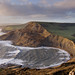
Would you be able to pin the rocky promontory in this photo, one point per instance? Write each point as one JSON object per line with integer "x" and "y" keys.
{"x": 35, "y": 35}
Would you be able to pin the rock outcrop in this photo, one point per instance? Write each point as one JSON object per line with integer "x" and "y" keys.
{"x": 31, "y": 35}
{"x": 63, "y": 69}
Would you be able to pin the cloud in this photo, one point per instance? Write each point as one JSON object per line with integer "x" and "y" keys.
{"x": 66, "y": 7}
{"x": 20, "y": 10}
{"x": 44, "y": 3}
{"x": 69, "y": 4}
{"x": 28, "y": 10}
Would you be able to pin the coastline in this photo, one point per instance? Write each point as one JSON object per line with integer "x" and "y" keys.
{"x": 64, "y": 55}
{"x": 63, "y": 68}
{"x": 61, "y": 51}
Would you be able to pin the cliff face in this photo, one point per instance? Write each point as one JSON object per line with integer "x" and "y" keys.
{"x": 62, "y": 43}
{"x": 35, "y": 35}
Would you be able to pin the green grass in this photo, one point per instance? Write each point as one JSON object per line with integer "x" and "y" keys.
{"x": 63, "y": 29}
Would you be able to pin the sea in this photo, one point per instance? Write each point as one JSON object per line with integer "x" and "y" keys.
{"x": 32, "y": 57}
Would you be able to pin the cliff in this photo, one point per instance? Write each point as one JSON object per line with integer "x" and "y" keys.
{"x": 35, "y": 35}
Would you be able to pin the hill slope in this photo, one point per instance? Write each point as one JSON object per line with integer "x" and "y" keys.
{"x": 31, "y": 35}
{"x": 66, "y": 30}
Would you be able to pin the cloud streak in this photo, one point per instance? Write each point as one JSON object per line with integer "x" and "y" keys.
{"x": 58, "y": 10}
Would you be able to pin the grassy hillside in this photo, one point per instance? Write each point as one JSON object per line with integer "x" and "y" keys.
{"x": 63, "y": 29}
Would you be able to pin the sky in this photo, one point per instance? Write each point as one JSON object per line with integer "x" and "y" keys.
{"x": 22, "y": 11}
